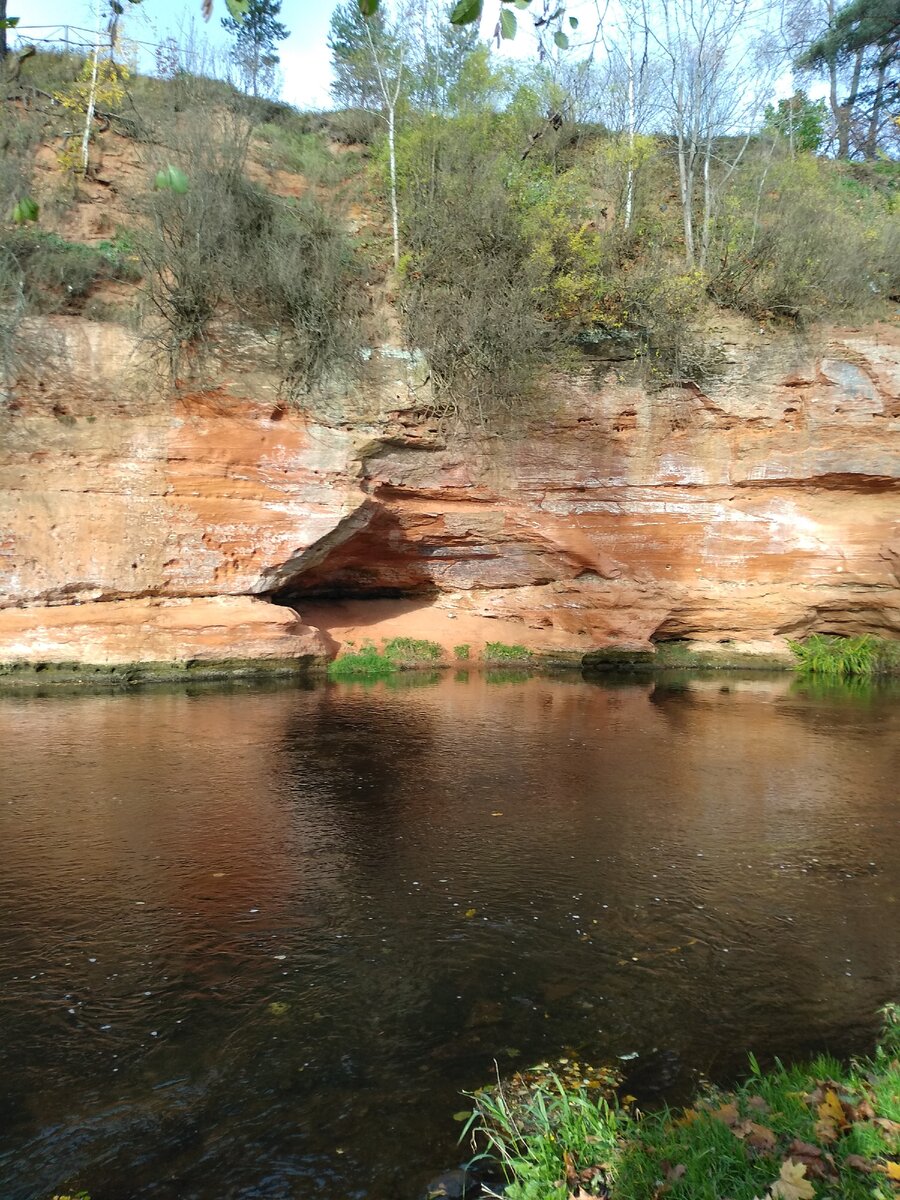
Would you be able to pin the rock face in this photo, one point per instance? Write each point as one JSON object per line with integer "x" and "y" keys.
{"x": 764, "y": 506}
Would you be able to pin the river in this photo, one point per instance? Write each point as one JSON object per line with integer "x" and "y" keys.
{"x": 255, "y": 940}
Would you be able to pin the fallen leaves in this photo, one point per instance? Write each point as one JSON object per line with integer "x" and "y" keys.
{"x": 759, "y": 1137}
{"x": 831, "y": 1111}
{"x": 792, "y": 1183}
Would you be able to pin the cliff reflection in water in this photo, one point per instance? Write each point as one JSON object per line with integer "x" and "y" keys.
{"x": 255, "y": 941}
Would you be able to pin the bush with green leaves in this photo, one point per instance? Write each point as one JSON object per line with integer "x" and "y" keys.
{"x": 54, "y": 275}
{"x": 502, "y": 652}
{"x": 397, "y": 654}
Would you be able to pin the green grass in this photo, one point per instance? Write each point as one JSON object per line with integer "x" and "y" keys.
{"x": 287, "y": 146}
{"x": 845, "y": 658}
{"x": 56, "y": 275}
{"x": 501, "y": 652}
{"x": 398, "y": 654}
{"x": 552, "y": 1139}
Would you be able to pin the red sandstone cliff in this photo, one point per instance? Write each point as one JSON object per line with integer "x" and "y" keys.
{"x": 138, "y": 525}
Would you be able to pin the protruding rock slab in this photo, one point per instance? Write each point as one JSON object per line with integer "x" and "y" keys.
{"x": 210, "y": 629}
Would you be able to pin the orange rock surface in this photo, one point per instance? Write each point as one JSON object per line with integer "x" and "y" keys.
{"x": 765, "y": 506}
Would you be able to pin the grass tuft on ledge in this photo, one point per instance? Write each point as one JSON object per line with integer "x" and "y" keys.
{"x": 397, "y": 654}
{"x": 811, "y": 1132}
{"x": 845, "y": 658}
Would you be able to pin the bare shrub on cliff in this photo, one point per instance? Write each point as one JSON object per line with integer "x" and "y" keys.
{"x": 222, "y": 246}
{"x": 468, "y": 297}
{"x": 805, "y": 239}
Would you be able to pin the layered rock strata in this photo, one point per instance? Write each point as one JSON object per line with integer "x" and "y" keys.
{"x": 136, "y": 524}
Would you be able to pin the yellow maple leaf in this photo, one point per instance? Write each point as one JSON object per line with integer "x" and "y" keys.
{"x": 831, "y": 1110}
{"x": 792, "y": 1183}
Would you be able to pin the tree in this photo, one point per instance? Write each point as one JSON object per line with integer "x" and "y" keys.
{"x": 256, "y": 34}
{"x": 370, "y": 57}
{"x": 799, "y": 120}
{"x": 4, "y": 25}
{"x": 715, "y": 82}
{"x": 863, "y": 40}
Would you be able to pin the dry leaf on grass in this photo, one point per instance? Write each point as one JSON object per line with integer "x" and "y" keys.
{"x": 832, "y": 1110}
{"x": 819, "y": 1165}
{"x": 856, "y": 1162}
{"x": 792, "y": 1183}
{"x": 758, "y": 1136}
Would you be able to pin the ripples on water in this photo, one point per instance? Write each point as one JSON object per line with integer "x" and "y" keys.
{"x": 254, "y": 942}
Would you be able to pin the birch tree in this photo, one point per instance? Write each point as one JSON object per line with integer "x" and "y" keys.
{"x": 717, "y": 77}
{"x": 371, "y": 59}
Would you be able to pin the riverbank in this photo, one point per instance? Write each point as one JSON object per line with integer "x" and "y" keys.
{"x": 367, "y": 661}
{"x": 821, "y": 1129}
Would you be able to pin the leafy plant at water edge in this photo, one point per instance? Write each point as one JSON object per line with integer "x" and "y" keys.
{"x": 812, "y": 1131}
{"x": 411, "y": 651}
{"x": 398, "y": 654}
{"x": 462, "y": 651}
{"x": 501, "y": 652}
{"x": 365, "y": 663}
{"x": 841, "y": 657}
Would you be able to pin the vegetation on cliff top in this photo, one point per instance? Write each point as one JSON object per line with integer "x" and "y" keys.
{"x": 524, "y": 214}
{"x": 806, "y": 1132}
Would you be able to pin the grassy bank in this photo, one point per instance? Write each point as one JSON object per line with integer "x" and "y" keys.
{"x": 846, "y": 658}
{"x": 811, "y": 1132}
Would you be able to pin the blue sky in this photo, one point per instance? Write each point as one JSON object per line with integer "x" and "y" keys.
{"x": 305, "y": 58}
{"x": 304, "y": 55}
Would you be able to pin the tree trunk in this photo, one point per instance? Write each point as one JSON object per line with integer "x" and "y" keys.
{"x": 629, "y": 179}
{"x": 706, "y": 231}
{"x": 845, "y": 110}
{"x": 92, "y": 97}
{"x": 686, "y": 189}
{"x": 4, "y": 48}
{"x": 392, "y": 154}
{"x": 871, "y": 146}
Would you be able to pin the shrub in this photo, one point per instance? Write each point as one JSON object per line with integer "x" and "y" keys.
{"x": 461, "y": 651}
{"x": 291, "y": 149}
{"x": 468, "y": 278}
{"x": 398, "y": 654}
{"x": 405, "y": 651}
{"x": 365, "y": 663}
{"x": 806, "y": 241}
{"x": 56, "y": 275}
{"x": 284, "y": 267}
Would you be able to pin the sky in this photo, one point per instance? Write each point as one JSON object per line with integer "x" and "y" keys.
{"x": 305, "y": 58}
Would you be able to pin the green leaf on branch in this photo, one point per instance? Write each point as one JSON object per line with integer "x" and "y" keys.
{"x": 368, "y": 8}
{"x": 238, "y": 8}
{"x": 573, "y": 22}
{"x": 561, "y": 40}
{"x": 508, "y": 24}
{"x": 171, "y": 180}
{"x": 520, "y": 4}
{"x": 26, "y": 210}
{"x": 9, "y": 22}
{"x": 466, "y": 11}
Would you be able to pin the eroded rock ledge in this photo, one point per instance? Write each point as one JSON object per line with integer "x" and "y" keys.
{"x": 138, "y": 526}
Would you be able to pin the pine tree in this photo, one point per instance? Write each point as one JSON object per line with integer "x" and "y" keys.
{"x": 256, "y": 35}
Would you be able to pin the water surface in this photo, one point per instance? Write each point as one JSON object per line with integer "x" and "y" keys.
{"x": 253, "y": 942}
